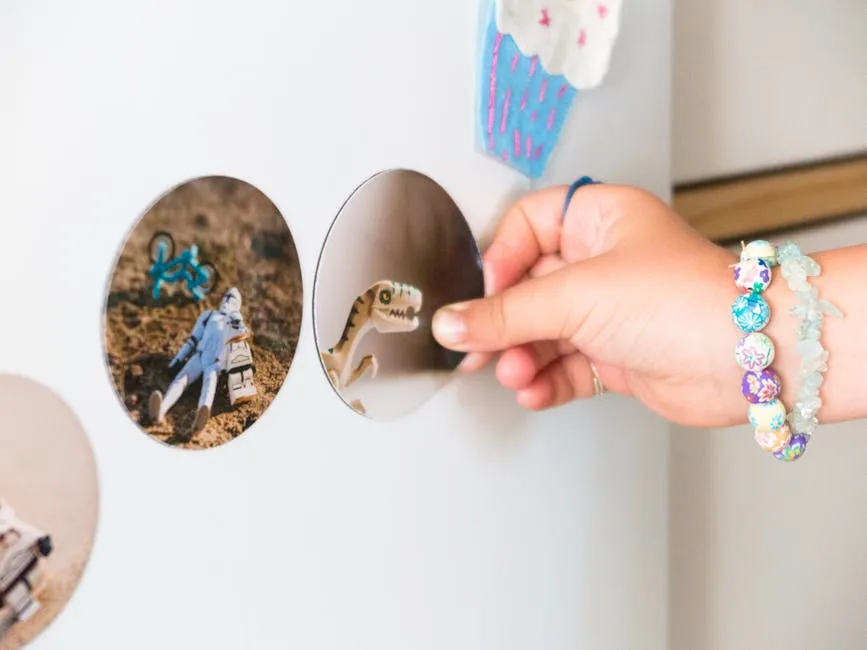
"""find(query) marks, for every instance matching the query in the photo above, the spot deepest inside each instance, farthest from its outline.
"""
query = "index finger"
(530, 230)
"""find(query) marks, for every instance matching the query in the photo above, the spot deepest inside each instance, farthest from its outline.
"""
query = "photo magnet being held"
(398, 250)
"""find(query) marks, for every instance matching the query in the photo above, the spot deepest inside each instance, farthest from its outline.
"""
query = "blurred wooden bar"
(730, 209)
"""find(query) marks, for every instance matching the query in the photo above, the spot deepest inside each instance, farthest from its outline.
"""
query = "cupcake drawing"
(535, 57)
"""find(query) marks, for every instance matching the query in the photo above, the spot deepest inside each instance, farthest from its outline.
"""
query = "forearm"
(842, 282)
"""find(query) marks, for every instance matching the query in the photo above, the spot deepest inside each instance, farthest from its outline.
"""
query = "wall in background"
(763, 555)
(765, 84)
(469, 525)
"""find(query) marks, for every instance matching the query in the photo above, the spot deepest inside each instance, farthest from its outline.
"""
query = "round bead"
(753, 275)
(774, 440)
(794, 450)
(755, 351)
(769, 416)
(750, 312)
(762, 386)
(762, 250)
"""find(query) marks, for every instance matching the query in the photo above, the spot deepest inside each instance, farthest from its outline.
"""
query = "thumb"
(545, 308)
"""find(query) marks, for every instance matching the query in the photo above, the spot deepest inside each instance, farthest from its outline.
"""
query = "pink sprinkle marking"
(544, 90)
(551, 118)
(492, 109)
(533, 64)
(505, 155)
(582, 38)
(562, 91)
(514, 62)
(534, 116)
(545, 20)
(529, 145)
(524, 99)
(538, 152)
(517, 144)
(603, 11)
(505, 110)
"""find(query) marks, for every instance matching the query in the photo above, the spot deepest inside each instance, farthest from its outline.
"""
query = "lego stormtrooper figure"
(22, 546)
(218, 343)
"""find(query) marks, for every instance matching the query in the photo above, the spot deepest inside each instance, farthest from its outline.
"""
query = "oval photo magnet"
(398, 250)
(203, 312)
(49, 505)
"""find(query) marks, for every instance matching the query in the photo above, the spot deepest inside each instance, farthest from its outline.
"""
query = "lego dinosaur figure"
(388, 307)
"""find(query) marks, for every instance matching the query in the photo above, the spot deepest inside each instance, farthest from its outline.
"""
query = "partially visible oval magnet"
(49, 506)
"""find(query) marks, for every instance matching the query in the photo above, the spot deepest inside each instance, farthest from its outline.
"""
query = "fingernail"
(472, 362)
(488, 276)
(449, 326)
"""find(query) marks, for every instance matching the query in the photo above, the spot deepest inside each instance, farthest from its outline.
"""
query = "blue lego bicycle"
(200, 276)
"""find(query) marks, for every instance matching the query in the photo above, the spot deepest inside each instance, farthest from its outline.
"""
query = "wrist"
(732, 405)
(781, 329)
(840, 337)
(841, 284)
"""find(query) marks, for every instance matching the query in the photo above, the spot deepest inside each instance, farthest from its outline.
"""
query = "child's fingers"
(519, 366)
(475, 361)
(568, 378)
(546, 264)
(554, 306)
(530, 230)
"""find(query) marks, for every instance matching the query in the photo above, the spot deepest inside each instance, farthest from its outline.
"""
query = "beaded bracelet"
(786, 436)
(755, 353)
(796, 268)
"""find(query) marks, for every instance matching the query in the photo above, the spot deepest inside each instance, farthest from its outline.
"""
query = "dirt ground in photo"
(240, 231)
(48, 476)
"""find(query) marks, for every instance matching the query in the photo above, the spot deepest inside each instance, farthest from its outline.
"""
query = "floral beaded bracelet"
(786, 436)
(755, 353)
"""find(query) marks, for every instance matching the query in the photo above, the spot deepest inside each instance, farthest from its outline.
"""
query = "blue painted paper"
(521, 108)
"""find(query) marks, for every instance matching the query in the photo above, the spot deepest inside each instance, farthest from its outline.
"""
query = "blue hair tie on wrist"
(581, 182)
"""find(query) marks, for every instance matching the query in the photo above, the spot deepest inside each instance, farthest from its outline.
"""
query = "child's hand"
(622, 282)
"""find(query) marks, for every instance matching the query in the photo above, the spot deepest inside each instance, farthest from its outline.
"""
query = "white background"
(765, 84)
(470, 525)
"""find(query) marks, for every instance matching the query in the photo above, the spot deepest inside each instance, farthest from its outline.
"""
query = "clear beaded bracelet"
(784, 435)
(796, 268)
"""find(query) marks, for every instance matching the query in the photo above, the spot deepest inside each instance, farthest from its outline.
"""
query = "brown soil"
(243, 235)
